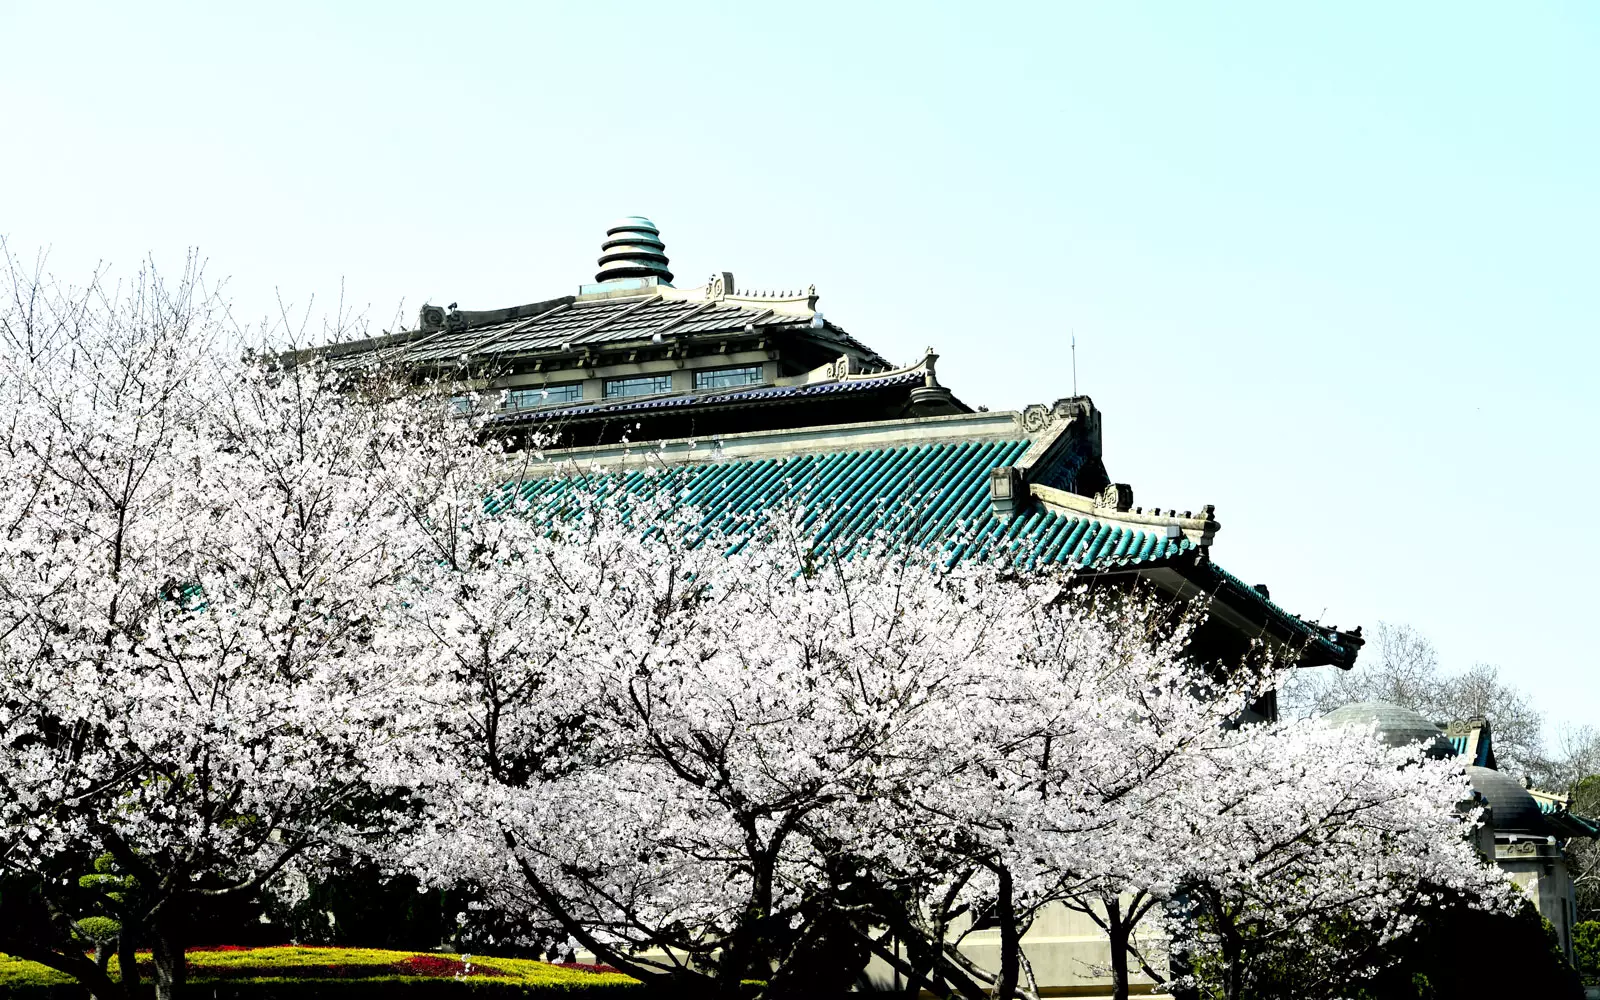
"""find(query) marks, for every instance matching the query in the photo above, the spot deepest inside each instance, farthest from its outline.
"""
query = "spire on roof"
(633, 249)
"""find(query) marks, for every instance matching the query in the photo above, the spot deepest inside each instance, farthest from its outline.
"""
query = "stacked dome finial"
(633, 249)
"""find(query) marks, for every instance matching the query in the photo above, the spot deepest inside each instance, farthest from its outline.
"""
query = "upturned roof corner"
(1063, 470)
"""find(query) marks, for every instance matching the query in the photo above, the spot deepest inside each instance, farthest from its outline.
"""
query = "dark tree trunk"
(1117, 933)
(924, 959)
(127, 961)
(1182, 907)
(745, 956)
(1232, 965)
(1010, 939)
(166, 951)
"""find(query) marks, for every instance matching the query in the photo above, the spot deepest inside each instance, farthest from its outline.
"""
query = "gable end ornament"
(1116, 496)
(1037, 417)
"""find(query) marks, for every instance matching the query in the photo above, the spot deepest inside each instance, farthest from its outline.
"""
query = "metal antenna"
(1074, 362)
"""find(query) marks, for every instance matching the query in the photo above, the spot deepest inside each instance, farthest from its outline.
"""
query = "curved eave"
(1190, 573)
(1319, 646)
(1568, 824)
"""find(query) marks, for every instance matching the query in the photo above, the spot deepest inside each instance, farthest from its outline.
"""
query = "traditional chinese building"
(749, 398)
(738, 400)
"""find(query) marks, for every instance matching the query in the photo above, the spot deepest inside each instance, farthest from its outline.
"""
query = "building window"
(728, 378)
(644, 385)
(461, 405)
(525, 399)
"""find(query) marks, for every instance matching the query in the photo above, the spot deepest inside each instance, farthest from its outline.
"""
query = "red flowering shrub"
(199, 970)
(442, 967)
(221, 947)
(586, 967)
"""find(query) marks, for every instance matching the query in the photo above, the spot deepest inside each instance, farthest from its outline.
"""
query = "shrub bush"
(1586, 951)
(301, 973)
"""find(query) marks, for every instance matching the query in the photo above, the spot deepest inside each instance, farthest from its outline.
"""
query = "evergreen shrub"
(299, 973)
(1586, 951)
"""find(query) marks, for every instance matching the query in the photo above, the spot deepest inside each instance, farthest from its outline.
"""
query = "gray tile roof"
(606, 321)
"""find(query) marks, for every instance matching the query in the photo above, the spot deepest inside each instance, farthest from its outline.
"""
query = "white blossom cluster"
(195, 552)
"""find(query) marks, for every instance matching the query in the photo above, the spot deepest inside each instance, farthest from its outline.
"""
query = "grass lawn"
(304, 973)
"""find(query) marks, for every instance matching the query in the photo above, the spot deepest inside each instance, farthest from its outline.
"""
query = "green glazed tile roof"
(1480, 759)
(1568, 824)
(938, 494)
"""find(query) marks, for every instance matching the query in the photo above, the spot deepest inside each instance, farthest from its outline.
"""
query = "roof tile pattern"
(607, 321)
(1459, 745)
(937, 495)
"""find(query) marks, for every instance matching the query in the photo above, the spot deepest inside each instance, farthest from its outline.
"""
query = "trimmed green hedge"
(293, 973)
(27, 981)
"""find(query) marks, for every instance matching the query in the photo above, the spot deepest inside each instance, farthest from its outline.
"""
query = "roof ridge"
(523, 327)
(503, 334)
(680, 320)
(607, 320)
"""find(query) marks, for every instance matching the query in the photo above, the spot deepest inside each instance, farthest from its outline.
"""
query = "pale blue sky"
(1332, 270)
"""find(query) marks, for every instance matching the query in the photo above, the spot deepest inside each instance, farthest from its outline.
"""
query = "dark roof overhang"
(1191, 574)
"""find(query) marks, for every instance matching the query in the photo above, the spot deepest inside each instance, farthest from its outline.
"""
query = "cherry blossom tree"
(1044, 771)
(1317, 845)
(714, 753)
(195, 550)
(644, 732)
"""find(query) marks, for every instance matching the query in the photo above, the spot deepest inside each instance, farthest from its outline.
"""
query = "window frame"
(534, 390)
(759, 371)
(606, 393)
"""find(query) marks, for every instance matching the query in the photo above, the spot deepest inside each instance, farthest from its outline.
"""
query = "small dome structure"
(633, 249)
(1512, 809)
(1394, 725)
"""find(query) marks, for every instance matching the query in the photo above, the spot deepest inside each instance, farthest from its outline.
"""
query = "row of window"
(619, 388)
(716, 378)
